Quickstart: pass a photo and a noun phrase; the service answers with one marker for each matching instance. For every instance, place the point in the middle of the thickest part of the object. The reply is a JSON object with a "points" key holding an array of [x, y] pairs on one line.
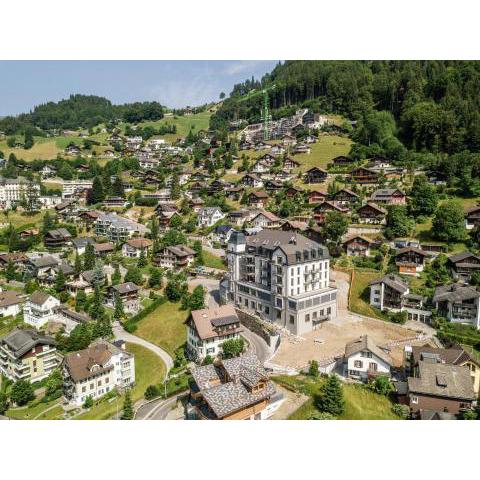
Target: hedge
{"points": [[131, 324]]}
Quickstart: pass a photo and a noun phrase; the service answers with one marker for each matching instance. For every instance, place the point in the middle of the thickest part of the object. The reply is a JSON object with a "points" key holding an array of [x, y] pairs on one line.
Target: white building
{"points": [[209, 328], [209, 216], [281, 276], [12, 190], [95, 371], [458, 303], [364, 359], [39, 309], [117, 228], [10, 303], [71, 187], [133, 248]]}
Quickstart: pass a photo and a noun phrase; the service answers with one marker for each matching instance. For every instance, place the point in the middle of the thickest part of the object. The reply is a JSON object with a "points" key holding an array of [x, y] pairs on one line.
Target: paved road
{"points": [[121, 334], [257, 345], [157, 409]]}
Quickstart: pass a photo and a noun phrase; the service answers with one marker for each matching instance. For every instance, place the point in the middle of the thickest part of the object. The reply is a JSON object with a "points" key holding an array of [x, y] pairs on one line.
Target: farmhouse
{"points": [[364, 175]]}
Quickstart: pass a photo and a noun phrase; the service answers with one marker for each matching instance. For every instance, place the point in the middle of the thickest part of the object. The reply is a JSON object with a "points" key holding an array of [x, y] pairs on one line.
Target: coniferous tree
{"points": [[97, 192], [118, 312], [80, 301], [331, 399], [116, 276], [117, 188], [89, 257], [97, 310], [127, 407], [11, 271], [78, 264], [142, 260], [60, 281]]}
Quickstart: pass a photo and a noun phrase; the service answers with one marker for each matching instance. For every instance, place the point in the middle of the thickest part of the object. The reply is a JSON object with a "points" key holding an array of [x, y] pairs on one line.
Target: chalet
{"points": [[316, 175], [175, 257], [73, 150], [69, 319], [103, 249], [345, 198], [89, 217], [389, 196], [258, 199], [301, 148], [128, 294], [463, 265], [342, 160], [288, 140], [196, 204], [410, 260], [277, 150], [252, 181], [316, 196], [321, 210], [292, 192], [39, 309], [358, 245], [371, 213], [219, 186], [364, 359], [133, 248], [262, 146], [84, 282], [222, 233], [472, 218], [10, 303], [233, 193], [80, 244], [239, 217], [364, 175], [379, 163], [15, 257], [271, 186], [209, 328], [289, 164], [458, 303], [40, 267], [265, 220], [440, 387], [282, 176], [196, 187], [294, 226], [28, 233], [263, 164], [57, 238], [233, 389]]}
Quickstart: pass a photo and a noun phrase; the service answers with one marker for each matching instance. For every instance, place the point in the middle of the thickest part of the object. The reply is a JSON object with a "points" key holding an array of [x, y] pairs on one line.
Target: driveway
{"points": [[212, 286], [121, 334], [157, 409]]}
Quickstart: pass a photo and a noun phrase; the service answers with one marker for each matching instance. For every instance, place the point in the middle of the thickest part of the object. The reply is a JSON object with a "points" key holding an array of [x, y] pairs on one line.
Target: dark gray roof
{"points": [[454, 293], [366, 343], [82, 242], [393, 281], [46, 261], [21, 341], [126, 287], [458, 257], [443, 380]]}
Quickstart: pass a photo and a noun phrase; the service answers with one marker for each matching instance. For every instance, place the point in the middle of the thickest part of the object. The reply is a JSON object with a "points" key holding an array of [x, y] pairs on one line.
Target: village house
{"points": [[175, 257], [440, 387], [233, 193], [128, 294], [265, 219], [363, 175], [410, 260], [301, 148], [272, 186], [97, 370], [84, 282], [41, 267], [316, 196], [26, 354], [288, 140], [458, 303], [342, 160], [57, 238], [221, 233], [89, 218], [209, 328], [463, 265], [252, 181], [258, 199], [364, 359], [315, 175], [10, 303], [69, 319], [321, 210], [133, 248], [289, 164], [292, 192], [209, 216], [345, 198], [115, 202], [117, 228], [233, 389], [103, 249], [17, 258], [239, 217], [80, 244], [73, 150], [451, 356], [277, 150], [358, 245], [472, 217], [391, 293], [196, 204], [389, 196], [372, 214], [39, 309]]}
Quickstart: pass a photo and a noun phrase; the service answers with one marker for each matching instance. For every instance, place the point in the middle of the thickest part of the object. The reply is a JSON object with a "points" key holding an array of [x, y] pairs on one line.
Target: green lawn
{"points": [[31, 412], [149, 370], [165, 327], [7, 324], [360, 403], [212, 261], [20, 219], [360, 294]]}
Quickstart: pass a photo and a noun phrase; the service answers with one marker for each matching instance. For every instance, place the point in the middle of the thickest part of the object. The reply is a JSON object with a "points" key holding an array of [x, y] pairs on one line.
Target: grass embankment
{"points": [[359, 298], [213, 261], [164, 327], [360, 403], [32, 412], [149, 369]]}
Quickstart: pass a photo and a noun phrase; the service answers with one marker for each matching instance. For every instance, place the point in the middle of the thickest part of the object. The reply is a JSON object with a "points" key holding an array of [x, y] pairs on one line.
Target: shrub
{"points": [[313, 369], [151, 392], [322, 416], [88, 402], [402, 411], [22, 392]]}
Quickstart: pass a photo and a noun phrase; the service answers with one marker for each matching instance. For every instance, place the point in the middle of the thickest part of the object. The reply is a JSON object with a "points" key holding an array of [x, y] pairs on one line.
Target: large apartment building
{"points": [[281, 276], [117, 228], [12, 190], [27, 355]]}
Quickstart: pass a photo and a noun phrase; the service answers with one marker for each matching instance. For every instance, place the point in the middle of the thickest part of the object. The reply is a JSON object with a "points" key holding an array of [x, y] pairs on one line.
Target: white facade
{"points": [[207, 217], [361, 363], [13, 190], [70, 187], [38, 315], [10, 310], [199, 348]]}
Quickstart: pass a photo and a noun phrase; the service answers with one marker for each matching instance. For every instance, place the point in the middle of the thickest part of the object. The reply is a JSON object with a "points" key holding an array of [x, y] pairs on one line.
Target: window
{"points": [[358, 364], [84, 389], [373, 366], [292, 319], [413, 398], [366, 354], [307, 317], [107, 380], [91, 386], [329, 310]]}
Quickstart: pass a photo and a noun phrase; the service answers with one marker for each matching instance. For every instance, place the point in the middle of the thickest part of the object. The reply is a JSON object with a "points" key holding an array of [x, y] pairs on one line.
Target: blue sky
{"points": [[24, 84]]}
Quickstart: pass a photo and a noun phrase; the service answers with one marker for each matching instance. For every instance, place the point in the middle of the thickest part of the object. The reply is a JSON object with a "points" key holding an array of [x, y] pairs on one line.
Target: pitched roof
{"points": [[459, 257], [374, 206], [180, 250], [46, 261], [269, 215], [443, 380], [455, 293], [126, 287], [366, 343], [9, 297], [39, 298], [208, 319], [104, 247], [21, 341], [393, 281], [140, 242], [81, 364], [454, 356]]}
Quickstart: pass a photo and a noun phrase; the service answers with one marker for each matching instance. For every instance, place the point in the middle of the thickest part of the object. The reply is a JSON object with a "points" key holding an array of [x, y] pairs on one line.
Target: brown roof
{"points": [[81, 363], [260, 194], [366, 343], [9, 297], [454, 356], [140, 242], [208, 319], [39, 298], [353, 237], [269, 215], [104, 247]]}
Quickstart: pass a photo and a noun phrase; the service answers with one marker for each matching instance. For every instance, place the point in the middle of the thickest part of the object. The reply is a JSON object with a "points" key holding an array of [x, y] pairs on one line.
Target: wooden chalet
{"points": [[410, 260], [372, 213], [463, 265], [321, 210], [342, 160], [357, 245], [345, 198], [316, 175], [472, 218], [364, 176], [258, 199], [316, 196]]}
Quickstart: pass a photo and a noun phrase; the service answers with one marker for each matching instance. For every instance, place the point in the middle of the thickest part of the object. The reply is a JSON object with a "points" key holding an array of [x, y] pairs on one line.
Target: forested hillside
{"points": [[80, 111], [429, 106]]}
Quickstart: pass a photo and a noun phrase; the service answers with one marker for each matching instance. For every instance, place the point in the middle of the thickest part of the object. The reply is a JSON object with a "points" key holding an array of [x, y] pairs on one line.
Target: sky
{"points": [[24, 84]]}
